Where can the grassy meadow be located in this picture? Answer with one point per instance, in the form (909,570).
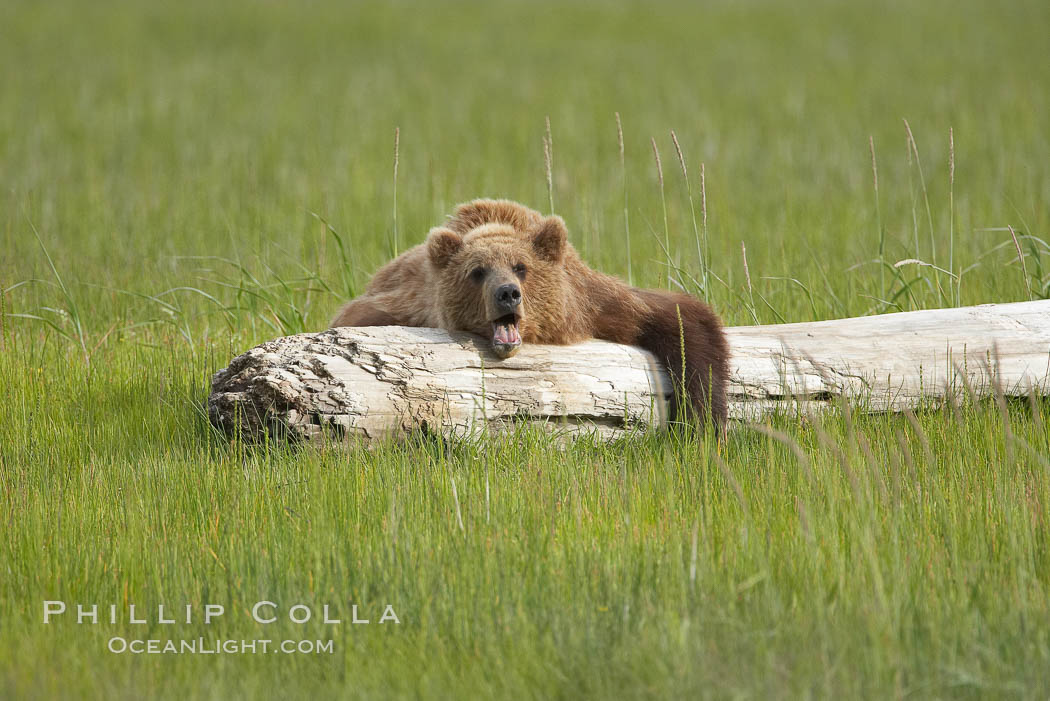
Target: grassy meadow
(182,181)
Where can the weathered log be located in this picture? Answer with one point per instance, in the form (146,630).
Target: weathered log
(377,381)
(892,362)
(373,381)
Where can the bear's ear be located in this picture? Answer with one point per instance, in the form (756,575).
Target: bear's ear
(550,238)
(442,244)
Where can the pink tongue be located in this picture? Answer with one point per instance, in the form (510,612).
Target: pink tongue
(506,333)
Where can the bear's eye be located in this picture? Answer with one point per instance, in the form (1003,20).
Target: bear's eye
(519,270)
(477,274)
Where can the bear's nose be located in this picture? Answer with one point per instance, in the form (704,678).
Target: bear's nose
(508,297)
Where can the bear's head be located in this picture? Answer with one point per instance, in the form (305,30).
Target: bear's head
(500,272)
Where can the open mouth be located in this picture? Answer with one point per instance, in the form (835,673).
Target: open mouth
(506,339)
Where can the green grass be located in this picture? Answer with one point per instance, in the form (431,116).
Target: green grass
(182,181)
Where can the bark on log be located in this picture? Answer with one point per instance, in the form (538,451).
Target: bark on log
(376,381)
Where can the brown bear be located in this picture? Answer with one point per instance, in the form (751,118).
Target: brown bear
(502,270)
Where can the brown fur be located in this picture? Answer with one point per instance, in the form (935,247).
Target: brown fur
(564,301)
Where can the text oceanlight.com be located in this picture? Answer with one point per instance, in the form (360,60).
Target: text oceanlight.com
(200,646)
